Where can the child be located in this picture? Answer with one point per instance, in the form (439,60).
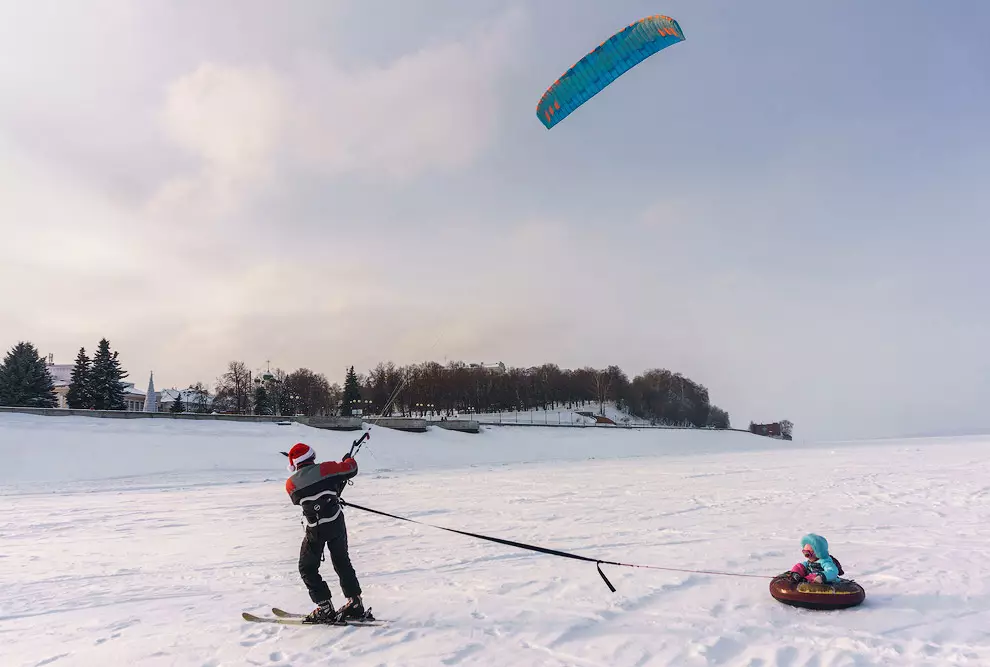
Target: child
(819,568)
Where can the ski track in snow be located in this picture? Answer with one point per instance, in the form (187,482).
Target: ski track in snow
(128,570)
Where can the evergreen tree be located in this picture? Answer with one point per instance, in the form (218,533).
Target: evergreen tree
(352,392)
(105,377)
(80,396)
(24,379)
(262,402)
(177,405)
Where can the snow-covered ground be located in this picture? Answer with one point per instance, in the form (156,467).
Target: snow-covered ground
(561,416)
(140,542)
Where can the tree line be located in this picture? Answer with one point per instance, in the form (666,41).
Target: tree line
(425,389)
(432,389)
(657,395)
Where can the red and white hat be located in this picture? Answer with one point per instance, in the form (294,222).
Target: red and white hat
(300,452)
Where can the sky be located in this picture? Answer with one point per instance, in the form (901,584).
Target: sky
(790,207)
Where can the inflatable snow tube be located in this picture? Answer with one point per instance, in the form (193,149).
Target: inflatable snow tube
(843,594)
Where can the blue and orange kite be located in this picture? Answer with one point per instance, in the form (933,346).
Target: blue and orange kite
(616,56)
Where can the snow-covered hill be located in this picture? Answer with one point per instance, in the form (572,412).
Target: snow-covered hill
(575,415)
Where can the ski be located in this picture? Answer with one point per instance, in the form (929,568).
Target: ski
(281,621)
(286,614)
(288,618)
(367,619)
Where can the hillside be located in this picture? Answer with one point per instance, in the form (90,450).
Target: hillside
(561,416)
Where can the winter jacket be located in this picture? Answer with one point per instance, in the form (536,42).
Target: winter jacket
(824,566)
(316,488)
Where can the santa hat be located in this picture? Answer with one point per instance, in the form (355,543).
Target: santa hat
(300,452)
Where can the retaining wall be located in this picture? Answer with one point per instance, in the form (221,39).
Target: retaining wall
(124,414)
(332,423)
(399,423)
(463,425)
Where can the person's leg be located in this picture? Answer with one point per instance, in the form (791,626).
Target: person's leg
(340,558)
(309,567)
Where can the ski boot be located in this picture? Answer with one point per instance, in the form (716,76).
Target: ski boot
(324,613)
(353,610)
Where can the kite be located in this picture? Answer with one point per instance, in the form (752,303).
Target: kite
(613,58)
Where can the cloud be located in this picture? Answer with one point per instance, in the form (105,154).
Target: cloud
(249,126)
(231,119)
(432,109)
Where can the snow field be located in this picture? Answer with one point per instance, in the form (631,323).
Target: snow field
(145,568)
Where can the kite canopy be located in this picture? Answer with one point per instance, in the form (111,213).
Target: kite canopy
(616,56)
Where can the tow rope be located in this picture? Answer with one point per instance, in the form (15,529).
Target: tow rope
(553,552)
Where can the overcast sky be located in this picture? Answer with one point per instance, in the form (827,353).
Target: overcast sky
(791,207)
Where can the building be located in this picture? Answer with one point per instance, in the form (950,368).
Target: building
(61,378)
(496,366)
(781,430)
(134,398)
(192,400)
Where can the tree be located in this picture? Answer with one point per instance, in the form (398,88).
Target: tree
(383,382)
(105,377)
(352,392)
(281,398)
(718,418)
(308,393)
(234,389)
(80,396)
(24,379)
(177,405)
(603,385)
(262,402)
(201,399)
(277,393)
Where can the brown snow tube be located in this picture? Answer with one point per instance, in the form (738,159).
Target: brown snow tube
(840,595)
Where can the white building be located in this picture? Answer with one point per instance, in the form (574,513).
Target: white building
(192,400)
(61,378)
(133,398)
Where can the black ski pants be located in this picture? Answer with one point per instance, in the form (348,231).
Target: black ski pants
(332,535)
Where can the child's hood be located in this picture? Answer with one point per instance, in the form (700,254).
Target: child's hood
(817,542)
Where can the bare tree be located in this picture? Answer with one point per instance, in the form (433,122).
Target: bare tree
(200,398)
(603,385)
(310,393)
(234,389)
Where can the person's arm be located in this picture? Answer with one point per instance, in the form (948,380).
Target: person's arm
(831,571)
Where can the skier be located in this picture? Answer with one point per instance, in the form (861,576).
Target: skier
(316,488)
